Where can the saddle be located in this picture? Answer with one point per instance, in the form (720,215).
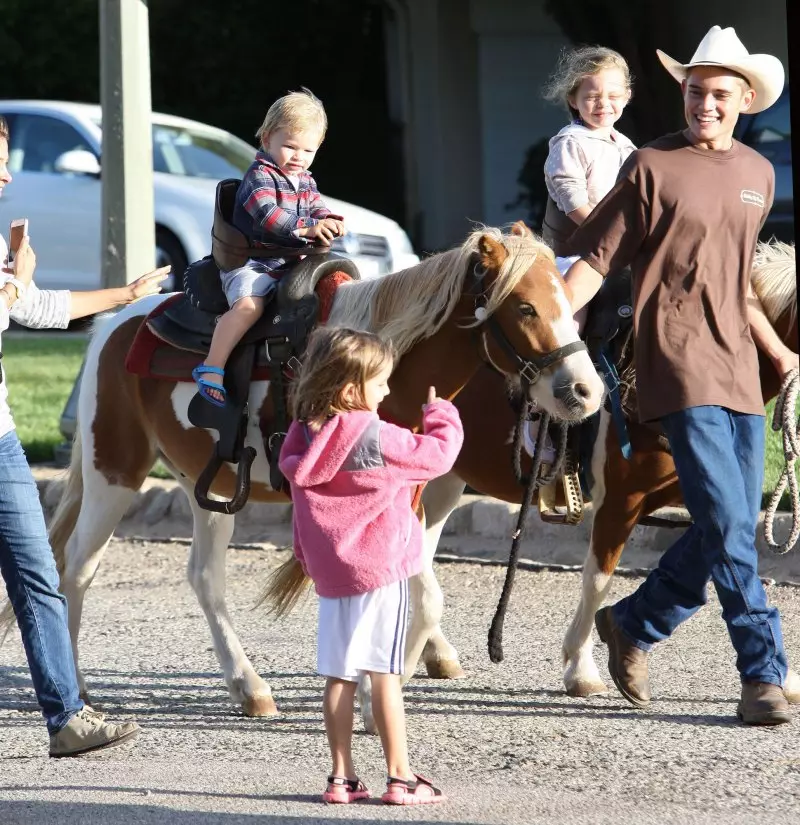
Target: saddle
(275,343)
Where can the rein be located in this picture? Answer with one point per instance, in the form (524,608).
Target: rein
(783,420)
(529,371)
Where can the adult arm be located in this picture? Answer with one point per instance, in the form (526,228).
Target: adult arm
(766,339)
(100,300)
(584,283)
(609,238)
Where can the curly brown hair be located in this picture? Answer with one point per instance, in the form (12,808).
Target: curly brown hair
(3,128)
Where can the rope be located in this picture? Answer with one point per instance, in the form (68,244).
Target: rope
(783,420)
(532,483)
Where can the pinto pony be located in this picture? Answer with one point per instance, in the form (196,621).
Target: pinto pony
(623,491)
(498,298)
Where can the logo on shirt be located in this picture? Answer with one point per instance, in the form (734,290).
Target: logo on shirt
(751,197)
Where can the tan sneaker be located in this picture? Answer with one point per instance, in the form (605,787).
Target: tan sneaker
(87,731)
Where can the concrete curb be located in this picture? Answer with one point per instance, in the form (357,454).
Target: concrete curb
(480,529)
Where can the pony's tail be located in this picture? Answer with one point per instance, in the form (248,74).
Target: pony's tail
(284,588)
(61,526)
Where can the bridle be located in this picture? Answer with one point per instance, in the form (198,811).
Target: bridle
(529,371)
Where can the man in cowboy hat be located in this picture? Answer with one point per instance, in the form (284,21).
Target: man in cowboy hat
(685,215)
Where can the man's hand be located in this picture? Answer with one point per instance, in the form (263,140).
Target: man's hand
(148,284)
(785,362)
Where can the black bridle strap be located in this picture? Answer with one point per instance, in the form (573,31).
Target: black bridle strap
(532,367)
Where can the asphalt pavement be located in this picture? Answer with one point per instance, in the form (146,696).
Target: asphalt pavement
(505,744)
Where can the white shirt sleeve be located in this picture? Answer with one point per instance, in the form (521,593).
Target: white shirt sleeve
(566,171)
(39,308)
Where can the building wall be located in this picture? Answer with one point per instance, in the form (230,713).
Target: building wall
(475,69)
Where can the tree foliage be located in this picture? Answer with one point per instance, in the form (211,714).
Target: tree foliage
(224,63)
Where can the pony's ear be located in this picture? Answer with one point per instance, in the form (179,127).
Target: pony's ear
(520,228)
(492,253)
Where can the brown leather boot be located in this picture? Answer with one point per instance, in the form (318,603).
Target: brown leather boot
(763,704)
(627,663)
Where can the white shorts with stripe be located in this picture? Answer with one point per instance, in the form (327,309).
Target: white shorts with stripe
(363,633)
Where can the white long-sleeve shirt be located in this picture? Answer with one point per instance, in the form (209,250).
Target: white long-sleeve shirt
(38,309)
(583,165)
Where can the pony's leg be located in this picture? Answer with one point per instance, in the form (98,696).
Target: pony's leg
(102,507)
(206,573)
(616,511)
(426,601)
(610,531)
(425,635)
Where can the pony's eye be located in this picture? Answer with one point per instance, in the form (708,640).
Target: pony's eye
(527,310)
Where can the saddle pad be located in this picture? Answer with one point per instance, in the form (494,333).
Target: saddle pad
(150,357)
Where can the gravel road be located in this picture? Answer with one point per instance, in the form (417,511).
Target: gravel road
(505,744)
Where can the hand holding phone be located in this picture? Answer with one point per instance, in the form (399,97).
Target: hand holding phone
(18,230)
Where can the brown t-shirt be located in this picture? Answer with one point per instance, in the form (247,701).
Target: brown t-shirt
(686,220)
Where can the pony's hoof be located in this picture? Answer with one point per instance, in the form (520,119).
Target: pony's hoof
(445,669)
(584,688)
(259,706)
(791,688)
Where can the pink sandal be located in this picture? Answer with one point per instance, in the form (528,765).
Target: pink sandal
(344,790)
(411,792)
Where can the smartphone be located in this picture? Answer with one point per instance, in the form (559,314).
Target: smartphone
(18,230)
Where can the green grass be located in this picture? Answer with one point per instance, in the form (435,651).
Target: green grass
(42,370)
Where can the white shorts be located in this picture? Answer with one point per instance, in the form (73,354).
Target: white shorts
(248,281)
(365,632)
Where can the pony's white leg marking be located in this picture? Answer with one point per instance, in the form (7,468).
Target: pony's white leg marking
(206,573)
(581,676)
(102,507)
(441,497)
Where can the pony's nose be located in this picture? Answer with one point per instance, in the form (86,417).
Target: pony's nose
(582,391)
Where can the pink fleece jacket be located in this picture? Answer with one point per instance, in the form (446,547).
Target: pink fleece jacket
(352,483)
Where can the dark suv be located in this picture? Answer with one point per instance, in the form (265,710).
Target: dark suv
(770,133)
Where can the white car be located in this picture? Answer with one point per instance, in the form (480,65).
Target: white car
(55,163)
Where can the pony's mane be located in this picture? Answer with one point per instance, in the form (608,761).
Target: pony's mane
(415,303)
(774,280)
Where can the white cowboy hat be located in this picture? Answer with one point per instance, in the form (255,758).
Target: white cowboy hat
(721,47)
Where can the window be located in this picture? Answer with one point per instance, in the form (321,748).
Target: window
(772,125)
(38,141)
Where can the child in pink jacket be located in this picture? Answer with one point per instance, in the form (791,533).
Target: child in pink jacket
(355,534)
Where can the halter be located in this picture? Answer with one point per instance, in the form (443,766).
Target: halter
(529,369)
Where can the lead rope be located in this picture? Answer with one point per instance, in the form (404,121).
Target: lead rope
(532,483)
(783,420)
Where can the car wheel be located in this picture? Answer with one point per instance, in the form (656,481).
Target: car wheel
(169,251)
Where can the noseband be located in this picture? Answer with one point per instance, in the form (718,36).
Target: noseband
(529,369)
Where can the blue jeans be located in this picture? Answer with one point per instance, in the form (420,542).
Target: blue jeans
(29,571)
(719,456)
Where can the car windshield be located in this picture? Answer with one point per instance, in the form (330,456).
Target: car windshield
(197,153)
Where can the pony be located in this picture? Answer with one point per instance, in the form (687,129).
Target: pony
(623,493)
(497,298)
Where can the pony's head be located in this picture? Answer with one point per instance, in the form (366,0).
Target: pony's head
(505,287)
(527,305)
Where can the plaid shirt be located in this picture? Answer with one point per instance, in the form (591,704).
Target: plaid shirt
(268,208)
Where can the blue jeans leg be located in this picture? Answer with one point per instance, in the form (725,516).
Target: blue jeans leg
(31,578)
(719,457)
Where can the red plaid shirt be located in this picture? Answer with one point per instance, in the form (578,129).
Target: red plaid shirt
(268,208)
